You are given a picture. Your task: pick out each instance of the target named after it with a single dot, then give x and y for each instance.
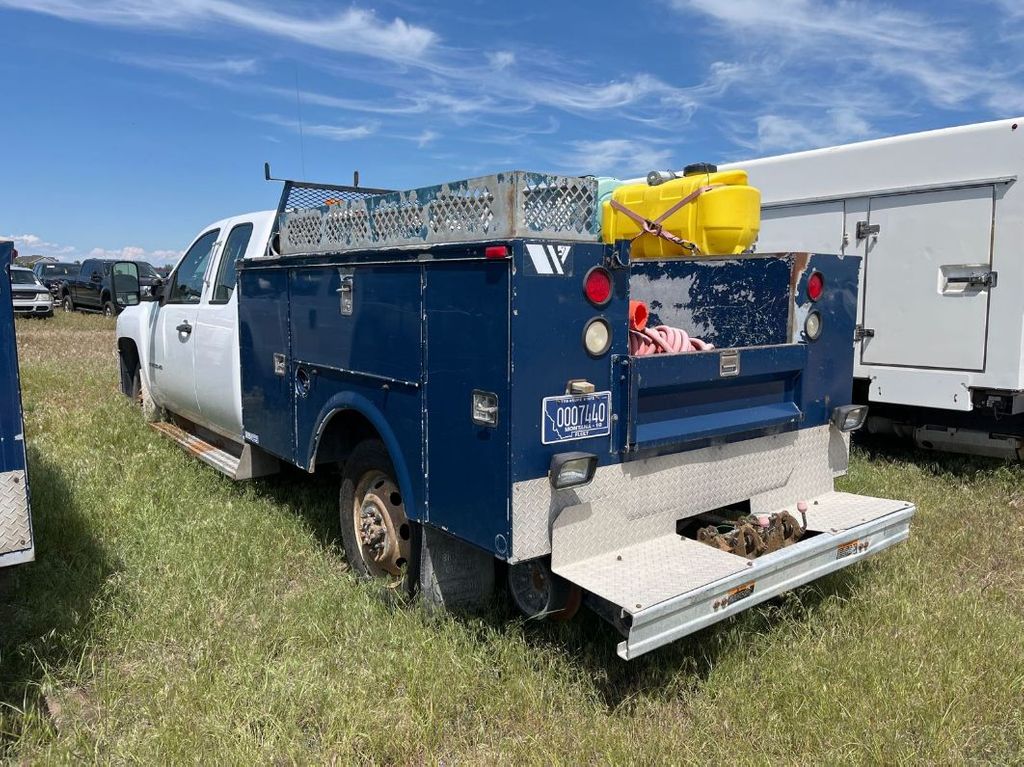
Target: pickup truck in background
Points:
(90, 288)
(53, 274)
(17, 544)
(461, 352)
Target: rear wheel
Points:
(539, 593)
(67, 304)
(375, 530)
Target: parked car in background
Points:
(28, 295)
(51, 274)
(90, 288)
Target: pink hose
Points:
(660, 340)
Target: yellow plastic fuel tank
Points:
(722, 220)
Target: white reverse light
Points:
(812, 326)
(597, 337)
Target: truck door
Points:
(83, 288)
(927, 267)
(216, 338)
(173, 363)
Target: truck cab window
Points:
(187, 286)
(234, 249)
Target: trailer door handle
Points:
(184, 328)
(979, 280)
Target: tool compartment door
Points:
(812, 227)
(921, 315)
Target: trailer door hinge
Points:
(976, 280)
(860, 333)
(865, 230)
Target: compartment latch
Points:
(865, 230)
(729, 364)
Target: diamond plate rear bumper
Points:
(16, 544)
(666, 586)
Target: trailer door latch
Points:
(976, 280)
(865, 230)
(860, 333)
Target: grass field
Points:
(173, 616)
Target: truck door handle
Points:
(185, 328)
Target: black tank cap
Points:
(699, 168)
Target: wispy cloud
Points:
(780, 133)
(619, 155)
(202, 69)
(823, 71)
(352, 31)
(321, 130)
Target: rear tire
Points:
(376, 533)
(67, 304)
(151, 412)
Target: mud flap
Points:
(667, 586)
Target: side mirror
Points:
(126, 284)
(155, 291)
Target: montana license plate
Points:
(576, 416)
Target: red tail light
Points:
(597, 286)
(815, 286)
(495, 251)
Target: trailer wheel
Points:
(375, 531)
(539, 593)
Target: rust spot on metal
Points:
(800, 261)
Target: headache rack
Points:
(325, 218)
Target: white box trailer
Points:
(938, 218)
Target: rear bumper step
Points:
(668, 586)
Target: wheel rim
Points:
(531, 587)
(380, 524)
(108, 311)
(67, 304)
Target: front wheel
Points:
(375, 530)
(108, 309)
(67, 304)
(151, 412)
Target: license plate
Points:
(576, 416)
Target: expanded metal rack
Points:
(324, 218)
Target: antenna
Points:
(298, 110)
(355, 178)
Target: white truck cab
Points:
(181, 353)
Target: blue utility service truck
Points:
(462, 352)
(16, 541)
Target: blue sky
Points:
(129, 124)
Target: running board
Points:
(252, 463)
(666, 586)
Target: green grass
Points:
(173, 616)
